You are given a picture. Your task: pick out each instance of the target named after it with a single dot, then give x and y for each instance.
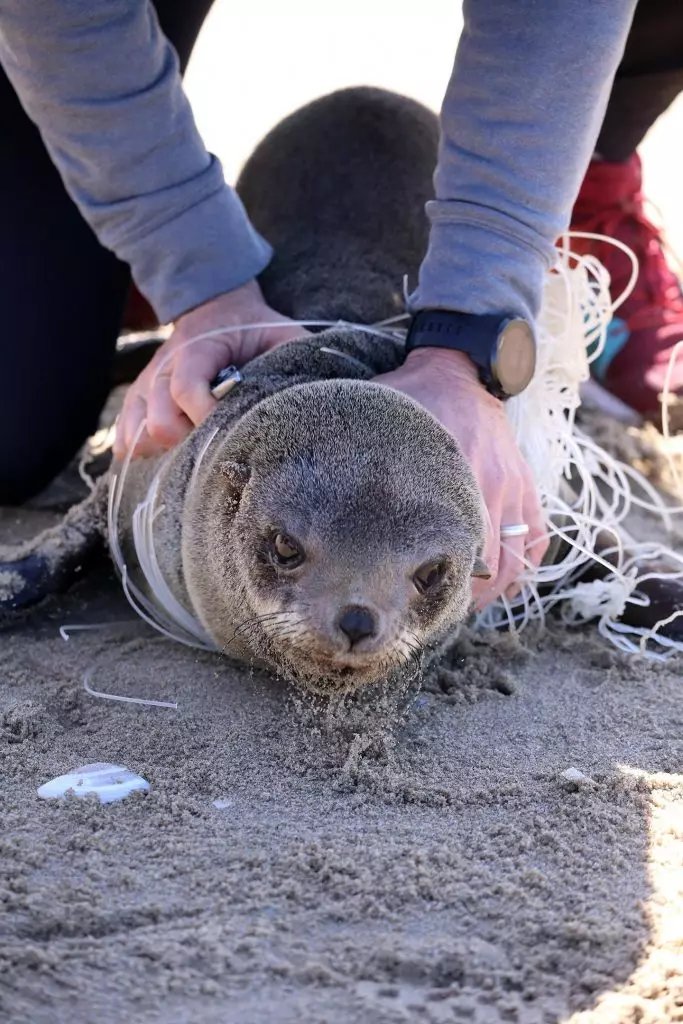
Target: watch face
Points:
(515, 359)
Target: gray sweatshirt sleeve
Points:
(102, 84)
(519, 122)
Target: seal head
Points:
(333, 535)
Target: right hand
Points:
(172, 394)
(446, 384)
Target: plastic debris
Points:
(108, 781)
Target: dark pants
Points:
(649, 78)
(64, 294)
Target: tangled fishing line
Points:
(584, 491)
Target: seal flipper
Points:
(47, 563)
(664, 595)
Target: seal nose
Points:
(357, 623)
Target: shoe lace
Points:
(657, 294)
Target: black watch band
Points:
(504, 369)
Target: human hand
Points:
(446, 384)
(172, 394)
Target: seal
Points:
(317, 523)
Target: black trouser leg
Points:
(63, 296)
(648, 80)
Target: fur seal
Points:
(339, 189)
(318, 523)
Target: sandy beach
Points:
(336, 865)
(346, 863)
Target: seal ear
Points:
(236, 475)
(480, 569)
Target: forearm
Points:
(102, 84)
(522, 112)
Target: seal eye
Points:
(286, 552)
(429, 576)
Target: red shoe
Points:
(647, 326)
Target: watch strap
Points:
(474, 334)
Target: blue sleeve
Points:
(521, 116)
(102, 83)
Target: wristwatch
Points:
(503, 348)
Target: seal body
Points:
(339, 190)
(319, 523)
(315, 522)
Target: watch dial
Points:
(516, 358)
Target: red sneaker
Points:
(648, 325)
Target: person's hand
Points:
(172, 394)
(446, 384)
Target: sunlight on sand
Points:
(654, 992)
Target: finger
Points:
(523, 510)
(134, 408)
(525, 552)
(147, 446)
(167, 424)
(193, 372)
(532, 513)
(535, 544)
(513, 563)
(484, 590)
(534, 551)
(141, 444)
(507, 553)
(491, 552)
(130, 419)
(138, 442)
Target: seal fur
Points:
(368, 484)
(339, 188)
